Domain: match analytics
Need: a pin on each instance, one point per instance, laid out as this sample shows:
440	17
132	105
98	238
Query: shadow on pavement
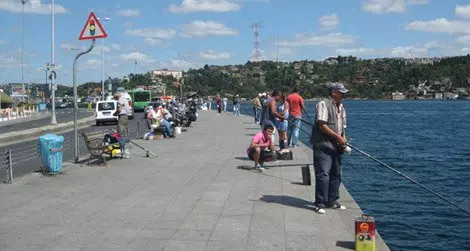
287	201
346	244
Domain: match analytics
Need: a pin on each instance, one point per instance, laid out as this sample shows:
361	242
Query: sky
182	34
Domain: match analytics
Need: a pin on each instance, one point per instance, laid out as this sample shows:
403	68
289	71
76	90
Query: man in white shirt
122	112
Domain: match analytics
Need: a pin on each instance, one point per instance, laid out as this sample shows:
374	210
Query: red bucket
365	233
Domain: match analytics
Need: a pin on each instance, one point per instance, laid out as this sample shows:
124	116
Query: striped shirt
322	114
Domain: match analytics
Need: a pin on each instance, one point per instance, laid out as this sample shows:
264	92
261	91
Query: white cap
259	94
264	94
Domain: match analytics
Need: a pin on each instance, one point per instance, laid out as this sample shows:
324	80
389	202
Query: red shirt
296	104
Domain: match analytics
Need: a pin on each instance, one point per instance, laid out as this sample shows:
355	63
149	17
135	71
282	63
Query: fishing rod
398	172
408	178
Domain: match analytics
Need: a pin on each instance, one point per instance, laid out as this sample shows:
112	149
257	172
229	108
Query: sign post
91	30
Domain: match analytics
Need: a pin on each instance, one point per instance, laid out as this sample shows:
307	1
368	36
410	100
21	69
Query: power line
256	54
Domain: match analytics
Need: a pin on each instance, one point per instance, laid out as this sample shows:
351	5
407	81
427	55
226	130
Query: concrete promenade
192	197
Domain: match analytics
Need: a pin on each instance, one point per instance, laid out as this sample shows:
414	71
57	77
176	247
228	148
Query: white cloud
329	22
158	33
386	6
97	50
129	13
152	41
463	11
33	6
396	52
440	25
139	57
205	6
408	51
176	65
95	63
330	40
463	40
115	47
114	65
2	42
199	28
70	47
90	64
213	55
7	61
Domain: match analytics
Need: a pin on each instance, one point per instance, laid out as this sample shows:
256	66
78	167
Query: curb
30	134
24	119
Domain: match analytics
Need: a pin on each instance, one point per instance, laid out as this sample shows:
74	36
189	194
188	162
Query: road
62	116
25	155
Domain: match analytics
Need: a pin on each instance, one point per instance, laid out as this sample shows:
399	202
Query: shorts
265	156
282	125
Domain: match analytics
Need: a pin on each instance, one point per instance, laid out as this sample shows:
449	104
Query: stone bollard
306	177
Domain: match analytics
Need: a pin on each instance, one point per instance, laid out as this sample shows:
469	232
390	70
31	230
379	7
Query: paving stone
193	197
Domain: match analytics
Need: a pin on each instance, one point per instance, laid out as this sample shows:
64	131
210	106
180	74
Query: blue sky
178	34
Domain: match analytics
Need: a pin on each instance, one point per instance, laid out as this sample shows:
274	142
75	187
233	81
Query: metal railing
24	158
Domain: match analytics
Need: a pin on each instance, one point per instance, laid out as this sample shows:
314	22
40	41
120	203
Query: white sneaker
259	168
319	210
337	206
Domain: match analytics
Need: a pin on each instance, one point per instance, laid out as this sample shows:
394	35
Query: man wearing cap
328	140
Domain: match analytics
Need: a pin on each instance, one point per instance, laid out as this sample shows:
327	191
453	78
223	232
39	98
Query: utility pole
22	49
102	62
53	118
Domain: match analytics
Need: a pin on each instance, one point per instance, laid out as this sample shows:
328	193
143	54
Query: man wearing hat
328	140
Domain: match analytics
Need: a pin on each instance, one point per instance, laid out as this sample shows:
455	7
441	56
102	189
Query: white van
126	95
105	111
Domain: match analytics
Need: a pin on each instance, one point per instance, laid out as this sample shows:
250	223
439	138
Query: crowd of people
283	113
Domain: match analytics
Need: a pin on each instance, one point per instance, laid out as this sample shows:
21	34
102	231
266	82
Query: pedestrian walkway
192	197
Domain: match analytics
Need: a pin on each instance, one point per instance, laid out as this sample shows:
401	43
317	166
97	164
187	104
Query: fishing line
408	178
349	164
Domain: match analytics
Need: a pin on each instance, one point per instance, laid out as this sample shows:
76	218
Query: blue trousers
256	114
293	131
167	128
327	177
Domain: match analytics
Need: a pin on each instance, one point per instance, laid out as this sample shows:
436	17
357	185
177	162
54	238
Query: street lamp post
53	117
1	93
106	19
23	2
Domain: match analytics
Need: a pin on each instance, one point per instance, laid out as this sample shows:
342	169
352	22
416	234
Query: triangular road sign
92	29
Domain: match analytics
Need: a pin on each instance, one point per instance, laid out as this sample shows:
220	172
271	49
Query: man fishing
328	141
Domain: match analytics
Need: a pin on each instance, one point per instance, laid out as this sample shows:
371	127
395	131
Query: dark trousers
327	177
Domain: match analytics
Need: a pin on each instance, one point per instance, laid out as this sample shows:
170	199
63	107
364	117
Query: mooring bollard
306	178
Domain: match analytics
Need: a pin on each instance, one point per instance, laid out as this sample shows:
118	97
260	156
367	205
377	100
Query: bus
140	98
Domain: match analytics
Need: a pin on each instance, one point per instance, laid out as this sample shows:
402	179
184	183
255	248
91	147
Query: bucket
178	130
364	233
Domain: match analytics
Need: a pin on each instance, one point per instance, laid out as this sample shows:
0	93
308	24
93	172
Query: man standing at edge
296	106
328	140
122	112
